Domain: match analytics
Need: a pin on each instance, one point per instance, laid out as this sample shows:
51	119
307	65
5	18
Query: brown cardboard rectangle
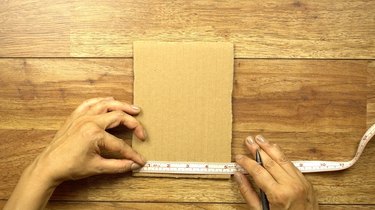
184	90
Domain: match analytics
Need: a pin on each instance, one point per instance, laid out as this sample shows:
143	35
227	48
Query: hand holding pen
279	180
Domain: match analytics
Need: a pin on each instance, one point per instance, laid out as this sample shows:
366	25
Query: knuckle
119	114
258	170
131	121
88	101
134	122
125	168
90	107
280	198
120	170
283	159
100	106
121	147
91	131
244	190
299	189
240	159
276	147
269	164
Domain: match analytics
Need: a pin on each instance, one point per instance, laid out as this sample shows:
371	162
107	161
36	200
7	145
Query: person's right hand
284	185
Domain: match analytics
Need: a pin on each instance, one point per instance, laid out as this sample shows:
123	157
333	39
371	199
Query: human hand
74	153
284	185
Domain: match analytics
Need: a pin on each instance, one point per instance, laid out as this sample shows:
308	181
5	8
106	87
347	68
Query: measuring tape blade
168	167
305	166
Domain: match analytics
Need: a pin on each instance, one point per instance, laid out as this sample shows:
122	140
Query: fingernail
144	134
135	166
250	140
261	139
238	178
135	107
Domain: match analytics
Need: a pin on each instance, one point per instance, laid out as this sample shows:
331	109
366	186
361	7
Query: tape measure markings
305	166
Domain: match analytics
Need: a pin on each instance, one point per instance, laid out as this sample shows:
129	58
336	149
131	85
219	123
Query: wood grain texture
34	28
318	107
31	89
371	94
259	29
314	109
168	206
346	187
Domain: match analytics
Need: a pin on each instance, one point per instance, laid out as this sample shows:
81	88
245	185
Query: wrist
33	189
40	174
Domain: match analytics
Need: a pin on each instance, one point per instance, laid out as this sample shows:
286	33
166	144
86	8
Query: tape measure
305	166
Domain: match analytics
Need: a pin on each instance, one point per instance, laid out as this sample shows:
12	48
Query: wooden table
304	77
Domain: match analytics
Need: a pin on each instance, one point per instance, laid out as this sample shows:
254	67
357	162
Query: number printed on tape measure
190	168
305	166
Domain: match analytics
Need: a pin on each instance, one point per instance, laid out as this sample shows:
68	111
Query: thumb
248	192
112	166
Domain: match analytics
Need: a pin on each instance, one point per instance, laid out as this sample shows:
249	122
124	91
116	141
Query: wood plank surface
259	29
313	95
187	206
168	206
34	28
21	147
317	99
314	109
371	94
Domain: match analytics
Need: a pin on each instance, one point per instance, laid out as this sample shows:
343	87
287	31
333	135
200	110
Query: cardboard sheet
185	92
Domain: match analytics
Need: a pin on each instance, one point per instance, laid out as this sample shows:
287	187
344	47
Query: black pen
263	196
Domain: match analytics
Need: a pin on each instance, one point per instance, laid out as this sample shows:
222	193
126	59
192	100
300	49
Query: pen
263	196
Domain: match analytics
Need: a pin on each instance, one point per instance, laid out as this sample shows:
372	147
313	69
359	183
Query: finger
249	194
113	105
297	171
276	154
260	175
110	166
115	118
86	105
270	165
251	145
114	144
80	110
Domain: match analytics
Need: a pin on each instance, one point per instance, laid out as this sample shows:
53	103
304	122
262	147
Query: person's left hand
74	152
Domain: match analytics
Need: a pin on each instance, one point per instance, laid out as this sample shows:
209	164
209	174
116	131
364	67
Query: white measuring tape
305	166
